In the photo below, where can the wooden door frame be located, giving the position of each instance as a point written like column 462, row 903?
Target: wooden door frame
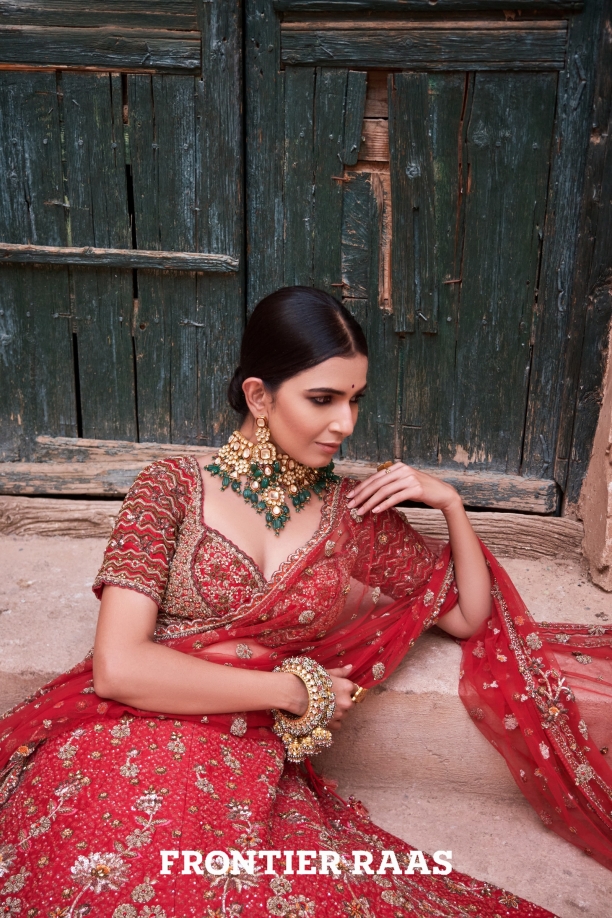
column 590, row 314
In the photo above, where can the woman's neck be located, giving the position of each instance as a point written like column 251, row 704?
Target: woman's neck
column 248, row 428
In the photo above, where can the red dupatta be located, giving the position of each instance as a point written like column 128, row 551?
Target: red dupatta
column 538, row 692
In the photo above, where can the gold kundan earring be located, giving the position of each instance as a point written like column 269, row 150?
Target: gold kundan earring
column 273, row 478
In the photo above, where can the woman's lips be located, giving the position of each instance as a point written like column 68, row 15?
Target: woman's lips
column 328, row 447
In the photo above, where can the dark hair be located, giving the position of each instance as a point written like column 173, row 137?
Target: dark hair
column 289, row 331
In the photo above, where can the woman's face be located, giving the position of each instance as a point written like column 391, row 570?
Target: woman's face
column 310, row 414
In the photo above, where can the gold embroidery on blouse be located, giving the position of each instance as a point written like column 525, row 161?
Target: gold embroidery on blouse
column 193, row 574
column 207, row 584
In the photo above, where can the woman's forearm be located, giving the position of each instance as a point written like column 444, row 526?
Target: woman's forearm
column 157, row 678
column 471, row 571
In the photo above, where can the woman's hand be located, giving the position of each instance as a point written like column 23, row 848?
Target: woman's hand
column 342, row 687
column 402, row 482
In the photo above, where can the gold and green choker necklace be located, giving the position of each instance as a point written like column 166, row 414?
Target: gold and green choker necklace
column 273, row 478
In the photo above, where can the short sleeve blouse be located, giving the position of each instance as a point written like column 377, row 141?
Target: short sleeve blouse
column 142, row 545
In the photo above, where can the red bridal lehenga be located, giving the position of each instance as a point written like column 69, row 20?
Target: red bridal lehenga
column 93, row 790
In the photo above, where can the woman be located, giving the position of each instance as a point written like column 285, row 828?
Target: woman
column 238, row 625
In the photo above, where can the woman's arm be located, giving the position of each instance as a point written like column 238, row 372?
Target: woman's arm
column 129, row 666
column 386, row 489
column 471, row 574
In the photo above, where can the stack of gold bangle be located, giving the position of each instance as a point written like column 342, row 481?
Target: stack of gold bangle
column 306, row 735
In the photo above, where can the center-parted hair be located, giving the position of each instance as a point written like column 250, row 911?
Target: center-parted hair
column 289, row 331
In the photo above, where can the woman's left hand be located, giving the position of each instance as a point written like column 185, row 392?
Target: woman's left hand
column 402, row 482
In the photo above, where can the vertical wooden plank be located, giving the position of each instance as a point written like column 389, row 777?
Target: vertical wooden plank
column 31, row 193
column 356, row 88
column 412, row 182
column 152, row 321
column 36, row 372
column 36, row 361
column 361, row 231
column 103, row 297
column 402, row 216
column 560, row 237
column 220, row 219
column 361, row 243
column 429, row 377
column 186, row 150
column 509, row 135
column 174, row 101
column 330, row 94
column 591, row 306
column 299, row 175
column 162, row 145
column 589, row 384
column 265, row 150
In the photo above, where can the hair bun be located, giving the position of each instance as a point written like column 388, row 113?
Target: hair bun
column 235, row 395
column 289, row 331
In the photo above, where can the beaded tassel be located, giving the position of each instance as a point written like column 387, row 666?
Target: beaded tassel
column 273, row 478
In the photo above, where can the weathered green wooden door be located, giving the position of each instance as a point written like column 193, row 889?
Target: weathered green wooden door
column 164, row 166
column 429, row 170
column 121, row 132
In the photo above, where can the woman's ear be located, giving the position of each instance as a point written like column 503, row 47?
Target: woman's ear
column 257, row 398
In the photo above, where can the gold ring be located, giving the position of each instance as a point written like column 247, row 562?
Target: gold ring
column 359, row 694
column 385, row 466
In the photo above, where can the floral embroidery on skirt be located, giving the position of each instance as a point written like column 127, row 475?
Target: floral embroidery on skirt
column 83, row 831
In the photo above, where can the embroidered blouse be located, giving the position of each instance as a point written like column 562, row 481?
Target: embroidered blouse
column 202, row 582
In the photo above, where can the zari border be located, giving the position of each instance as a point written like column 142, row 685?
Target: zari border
column 545, row 697
column 117, row 580
column 442, row 594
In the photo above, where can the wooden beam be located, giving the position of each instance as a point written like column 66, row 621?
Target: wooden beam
column 444, row 45
column 103, row 47
column 482, row 489
column 52, row 516
column 117, row 258
column 106, row 468
column 376, row 23
column 511, row 535
column 421, row 6
column 162, row 14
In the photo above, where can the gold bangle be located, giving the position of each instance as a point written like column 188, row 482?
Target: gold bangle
column 306, row 734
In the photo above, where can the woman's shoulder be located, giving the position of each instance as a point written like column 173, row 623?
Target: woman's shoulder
column 180, row 464
column 171, row 477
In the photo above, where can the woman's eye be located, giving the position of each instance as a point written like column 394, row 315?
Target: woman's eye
column 326, row 399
